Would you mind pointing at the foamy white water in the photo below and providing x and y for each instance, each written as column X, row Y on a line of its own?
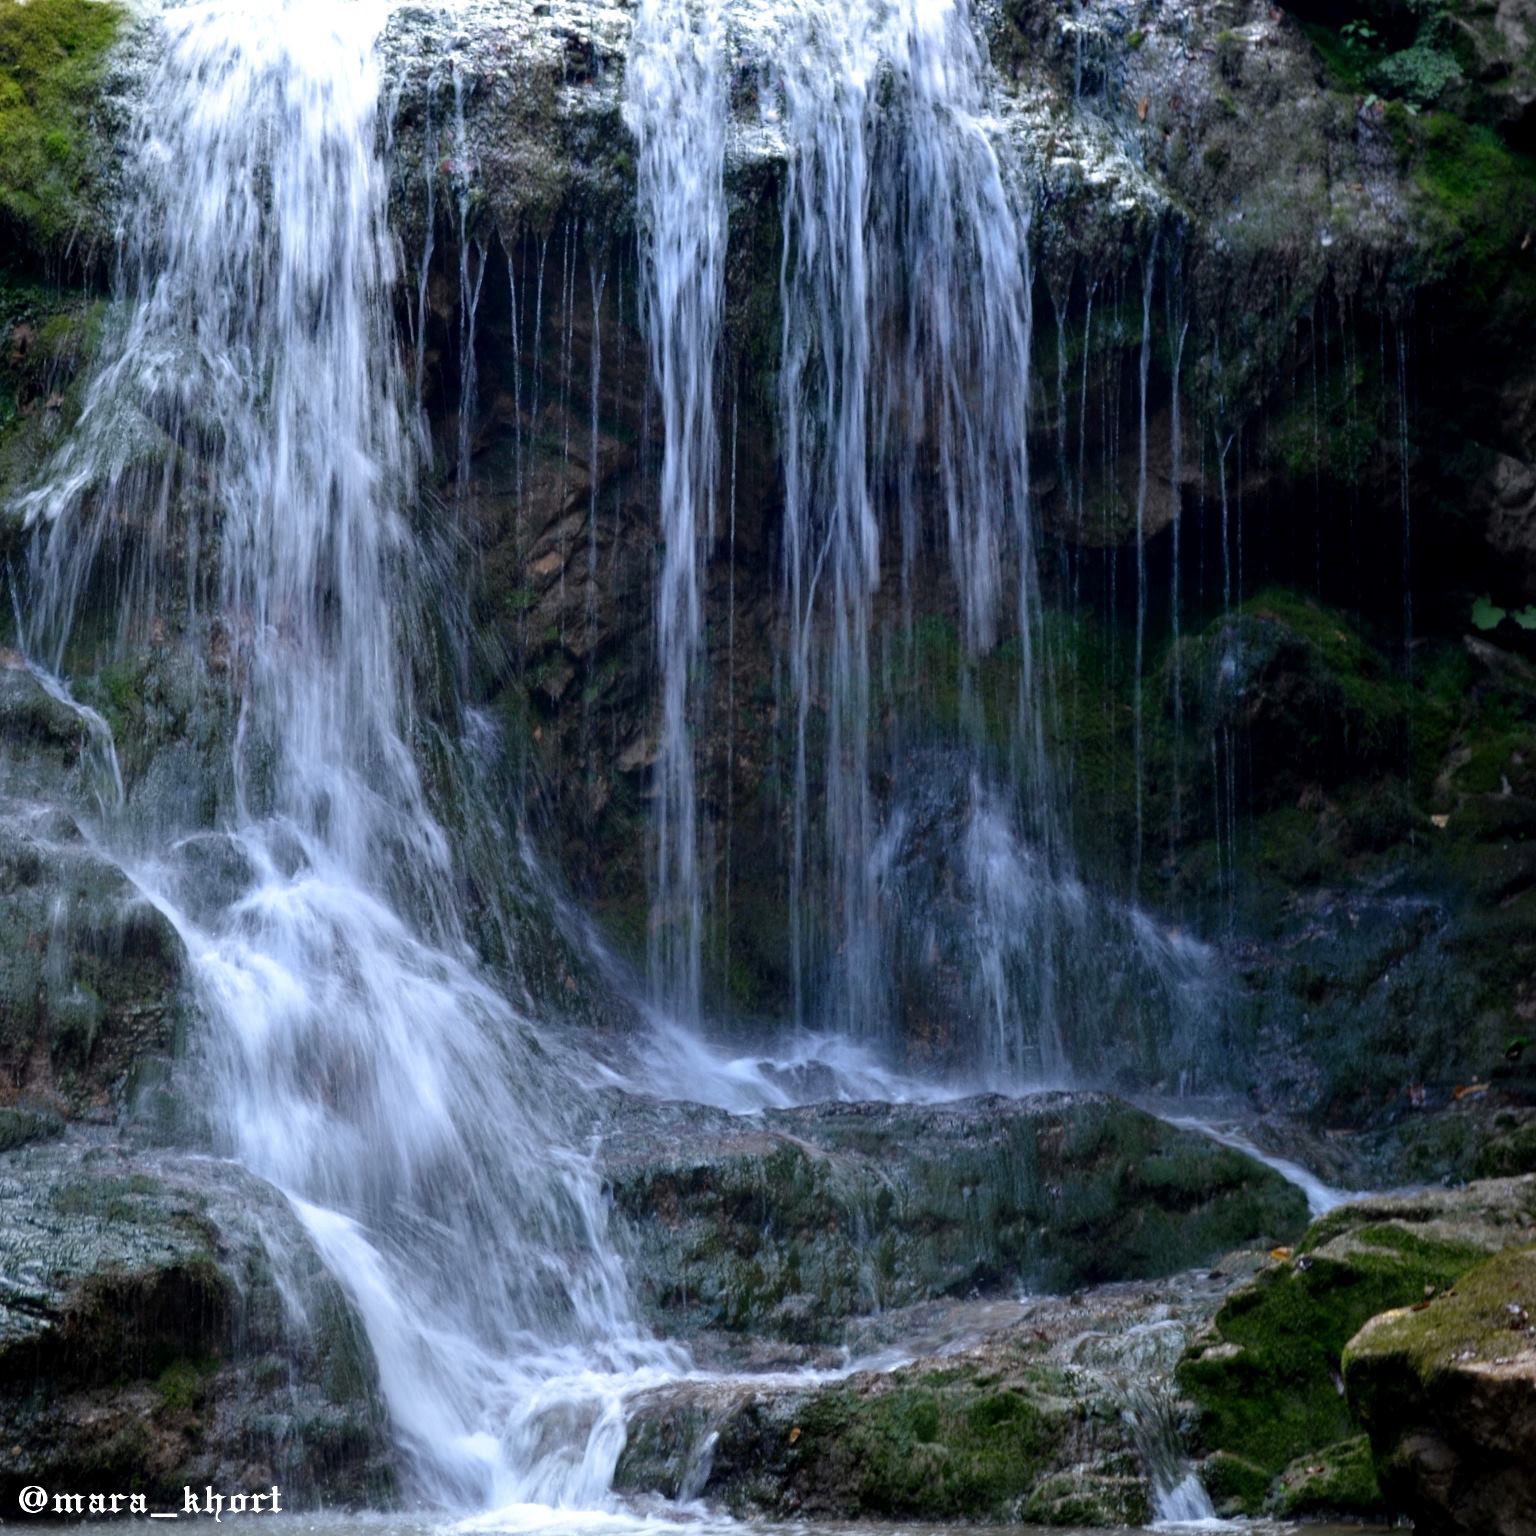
column 356, row 1057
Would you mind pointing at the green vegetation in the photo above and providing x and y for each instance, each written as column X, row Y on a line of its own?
column 1486, row 615
column 936, row 1448
column 1471, row 1320
column 51, row 60
column 1483, row 195
column 1279, row 1431
column 1338, row 1480
column 1415, row 67
column 183, row 1384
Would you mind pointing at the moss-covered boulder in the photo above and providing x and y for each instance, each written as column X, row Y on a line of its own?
column 992, row 1439
column 1337, row 1481
column 1447, row 1389
column 790, row 1223
column 1314, row 702
column 1266, row 1377
column 164, row 1320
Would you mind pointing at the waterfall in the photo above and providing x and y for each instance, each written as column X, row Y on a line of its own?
column 238, row 488
column 675, row 104
column 904, row 366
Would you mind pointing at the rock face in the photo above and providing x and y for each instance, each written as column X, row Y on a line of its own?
column 1327, row 176
column 164, row 1321
column 1447, row 1389
column 1266, row 1376
column 1285, row 813
column 1053, row 1411
column 790, row 1223
column 92, row 985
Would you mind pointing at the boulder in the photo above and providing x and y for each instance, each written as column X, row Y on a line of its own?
column 938, row 1440
column 1266, row 1376
column 164, row 1320
column 791, row 1222
column 1447, row 1389
column 1052, row 1410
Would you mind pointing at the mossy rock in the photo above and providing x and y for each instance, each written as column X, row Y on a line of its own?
column 1337, row 1481
column 792, row 1223
column 1003, row 1440
column 1445, row 1388
column 1508, row 1154
column 52, row 59
column 1315, row 703
column 1266, row 1376
column 1233, row 1483
column 165, row 1319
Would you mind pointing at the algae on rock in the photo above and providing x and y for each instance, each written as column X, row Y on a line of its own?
column 1267, row 1375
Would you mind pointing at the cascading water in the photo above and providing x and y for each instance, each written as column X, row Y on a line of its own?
column 676, row 107
column 905, row 364
column 245, row 444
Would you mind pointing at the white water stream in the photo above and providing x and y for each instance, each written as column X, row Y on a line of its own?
column 245, row 441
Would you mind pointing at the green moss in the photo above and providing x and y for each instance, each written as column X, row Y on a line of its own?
column 1345, row 65
column 935, row 1448
column 1367, row 684
column 109, row 1198
column 51, row 59
column 1509, row 1154
column 1484, row 196
column 1234, row 1483
column 1267, row 1384
column 20, row 1126
column 183, row 1384
column 1338, row 1480
column 1386, row 1364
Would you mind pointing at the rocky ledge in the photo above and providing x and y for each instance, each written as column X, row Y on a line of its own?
column 1446, row 1388
column 1054, row 1410
column 790, row 1223
column 164, row 1320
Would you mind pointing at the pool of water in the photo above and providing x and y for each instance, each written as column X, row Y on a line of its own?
column 664, row 1520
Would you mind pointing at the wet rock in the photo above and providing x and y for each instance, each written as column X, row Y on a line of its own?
column 1337, row 1482
column 1048, row 1410
column 1447, row 1389
column 1314, row 704
column 937, row 1441
column 791, row 1222
column 164, row 1321
column 91, row 973
column 1266, row 1376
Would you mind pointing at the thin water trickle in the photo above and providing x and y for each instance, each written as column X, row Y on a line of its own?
column 675, row 105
